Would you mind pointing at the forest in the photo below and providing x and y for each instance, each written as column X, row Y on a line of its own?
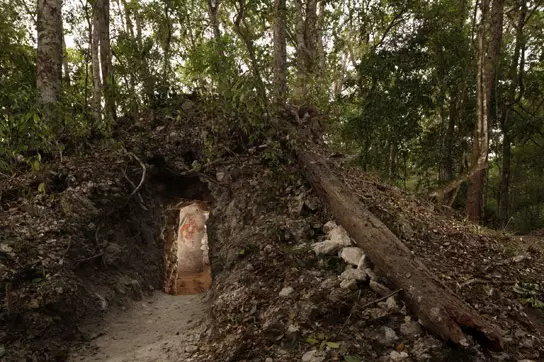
column 423, row 93
column 369, row 172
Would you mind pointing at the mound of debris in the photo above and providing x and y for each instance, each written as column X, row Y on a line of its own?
column 291, row 285
column 294, row 277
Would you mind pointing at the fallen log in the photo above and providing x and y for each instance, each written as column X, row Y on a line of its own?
column 436, row 306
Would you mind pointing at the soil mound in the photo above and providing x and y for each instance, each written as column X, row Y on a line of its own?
column 85, row 235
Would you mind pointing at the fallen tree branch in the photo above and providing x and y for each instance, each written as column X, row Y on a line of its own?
column 438, row 308
column 439, row 193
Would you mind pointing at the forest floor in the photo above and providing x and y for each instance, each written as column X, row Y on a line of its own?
column 81, row 242
column 161, row 327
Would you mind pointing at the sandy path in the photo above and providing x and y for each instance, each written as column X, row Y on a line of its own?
column 159, row 328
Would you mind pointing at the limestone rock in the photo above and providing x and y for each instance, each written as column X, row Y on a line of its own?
column 411, row 329
column 390, row 305
column 285, row 292
column 379, row 288
column 325, row 248
column 313, row 356
column 352, row 273
column 339, row 236
column 398, row 356
column 329, row 226
column 329, row 283
column 349, row 284
column 364, row 263
column 386, row 336
column 351, row 255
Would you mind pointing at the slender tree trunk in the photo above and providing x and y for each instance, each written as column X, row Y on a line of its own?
column 129, row 28
column 143, row 67
column 95, row 62
column 213, row 10
column 450, row 135
column 489, row 42
column 243, row 33
column 166, row 48
column 65, row 64
column 105, row 59
column 280, row 52
column 508, row 109
column 300, row 91
column 49, row 58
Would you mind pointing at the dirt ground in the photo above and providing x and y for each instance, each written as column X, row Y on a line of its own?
column 159, row 328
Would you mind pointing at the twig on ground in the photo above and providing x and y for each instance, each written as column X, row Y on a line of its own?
column 381, row 299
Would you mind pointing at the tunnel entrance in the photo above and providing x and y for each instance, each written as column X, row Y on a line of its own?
column 187, row 263
column 187, row 267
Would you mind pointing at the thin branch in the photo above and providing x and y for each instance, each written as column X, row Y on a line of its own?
column 143, row 175
column 396, row 20
column 533, row 10
column 381, row 299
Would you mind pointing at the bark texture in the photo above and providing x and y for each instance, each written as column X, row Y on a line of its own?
column 49, row 57
column 489, row 44
column 280, row 52
column 307, row 46
column 439, row 310
column 101, row 59
column 95, row 61
column 506, row 116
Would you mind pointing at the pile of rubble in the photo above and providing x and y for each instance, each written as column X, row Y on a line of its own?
column 358, row 268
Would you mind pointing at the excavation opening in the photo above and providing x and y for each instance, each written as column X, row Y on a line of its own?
column 187, row 263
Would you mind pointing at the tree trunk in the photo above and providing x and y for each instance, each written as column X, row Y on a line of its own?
column 65, row 64
column 243, row 33
column 166, row 49
column 438, row 309
column 508, row 109
column 306, row 36
column 95, row 61
column 49, row 58
column 143, row 67
column 218, row 66
column 299, row 92
column 280, row 52
column 105, row 58
column 488, row 54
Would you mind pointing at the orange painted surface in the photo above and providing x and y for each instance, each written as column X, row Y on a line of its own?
column 187, row 269
column 193, row 283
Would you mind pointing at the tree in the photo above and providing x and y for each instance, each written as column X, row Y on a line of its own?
column 306, row 41
column 244, row 32
column 515, row 75
column 102, row 58
column 489, row 46
column 49, row 59
column 280, row 52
